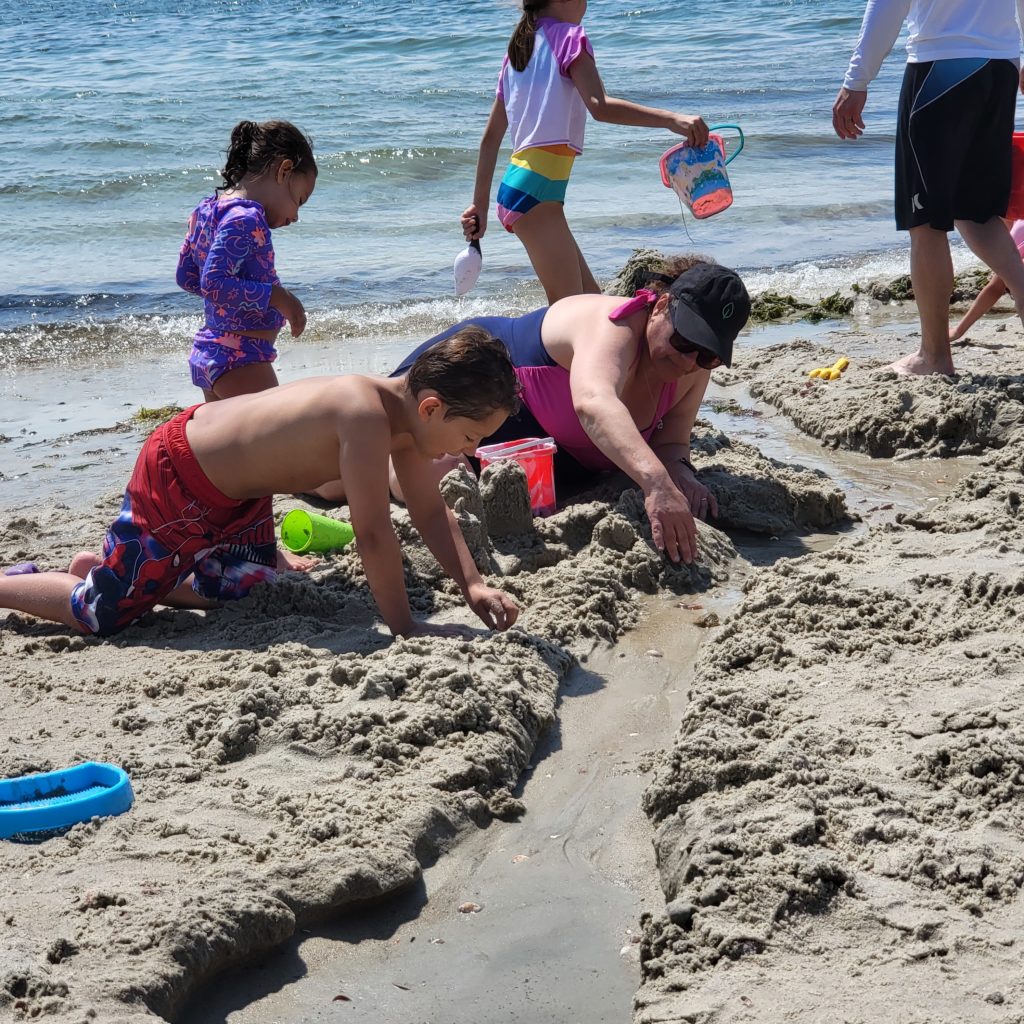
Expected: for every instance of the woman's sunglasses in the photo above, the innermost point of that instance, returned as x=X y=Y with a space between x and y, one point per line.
x=705 y=360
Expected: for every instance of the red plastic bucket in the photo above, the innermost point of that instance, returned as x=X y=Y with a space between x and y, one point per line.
x=536 y=455
x=1015 y=210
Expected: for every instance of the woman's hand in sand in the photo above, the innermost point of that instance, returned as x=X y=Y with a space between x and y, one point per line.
x=672 y=525
x=493 y=607
x=289 y=307
x=474 y=222
x=848 y=113
x=702 y=502
x=692 y=127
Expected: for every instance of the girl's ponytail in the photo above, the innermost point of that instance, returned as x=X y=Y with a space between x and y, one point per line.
x=242 y=137
x=520 y=46
x=254 y=147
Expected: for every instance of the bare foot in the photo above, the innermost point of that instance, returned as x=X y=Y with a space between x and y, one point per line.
x=918 y=365
x=83 y=562
x=288 y=561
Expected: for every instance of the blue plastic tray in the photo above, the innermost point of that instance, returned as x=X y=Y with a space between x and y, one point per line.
x=56 y=800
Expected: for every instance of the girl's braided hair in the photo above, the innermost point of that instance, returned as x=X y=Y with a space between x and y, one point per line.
x=520 y=46
x=254 y=147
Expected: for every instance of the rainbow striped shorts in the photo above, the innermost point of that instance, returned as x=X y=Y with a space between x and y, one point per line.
x=535 y=175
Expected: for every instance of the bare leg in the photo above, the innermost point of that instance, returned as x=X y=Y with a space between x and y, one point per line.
x=590 y=285
x=553 y=251
x=441 y=468
x=47 y=595
x=991 y=243
x=183 y=596
x=83 y=562
x=931 y=272
x=334 y=490
x=244 y=380
x=993 y=291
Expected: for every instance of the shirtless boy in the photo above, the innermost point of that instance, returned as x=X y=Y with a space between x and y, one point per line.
x=196 y=526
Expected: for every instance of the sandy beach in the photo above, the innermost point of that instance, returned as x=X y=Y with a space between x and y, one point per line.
x=831 y=790
x=839 y=817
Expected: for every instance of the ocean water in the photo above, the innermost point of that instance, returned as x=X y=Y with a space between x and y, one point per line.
x=114 y=117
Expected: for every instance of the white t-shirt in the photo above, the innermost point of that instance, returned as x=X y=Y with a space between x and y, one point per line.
x=938 y=30
x=544 y=108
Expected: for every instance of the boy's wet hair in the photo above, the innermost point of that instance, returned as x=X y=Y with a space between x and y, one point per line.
x=471 y=373
x=520 y=46
x=254 y=147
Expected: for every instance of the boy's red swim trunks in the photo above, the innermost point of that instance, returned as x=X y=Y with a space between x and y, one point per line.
x=174 y=522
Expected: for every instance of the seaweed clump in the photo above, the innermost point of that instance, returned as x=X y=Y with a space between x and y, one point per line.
x=768 y=307
x=154 y=417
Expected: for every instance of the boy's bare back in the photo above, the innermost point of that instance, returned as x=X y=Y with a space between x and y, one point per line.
x=289 y=439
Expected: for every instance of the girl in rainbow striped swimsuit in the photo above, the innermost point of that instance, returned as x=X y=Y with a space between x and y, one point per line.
x=548 y=82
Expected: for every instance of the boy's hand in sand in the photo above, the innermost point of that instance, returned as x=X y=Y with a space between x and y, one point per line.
x=449 y=630
x=289 y=307
x=672 y=525
x=847 y=113
x=492 y=606
x=693 y=128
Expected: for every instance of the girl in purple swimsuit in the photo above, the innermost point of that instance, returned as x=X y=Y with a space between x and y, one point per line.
x=618 y=384
x=228 y=258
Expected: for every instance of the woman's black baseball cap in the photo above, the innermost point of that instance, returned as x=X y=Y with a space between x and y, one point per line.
x=710 y=306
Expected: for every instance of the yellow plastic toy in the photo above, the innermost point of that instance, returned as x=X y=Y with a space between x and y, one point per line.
x=833 y=372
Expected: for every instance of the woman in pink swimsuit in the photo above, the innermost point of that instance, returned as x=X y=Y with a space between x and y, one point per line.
x=618 y=384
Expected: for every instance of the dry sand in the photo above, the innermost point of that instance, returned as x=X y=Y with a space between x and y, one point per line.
x=288 y=761
x=838 y=822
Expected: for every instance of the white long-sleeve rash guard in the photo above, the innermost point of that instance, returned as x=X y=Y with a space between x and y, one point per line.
x=938 y=30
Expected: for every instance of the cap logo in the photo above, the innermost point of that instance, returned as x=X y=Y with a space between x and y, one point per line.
x=727 y=310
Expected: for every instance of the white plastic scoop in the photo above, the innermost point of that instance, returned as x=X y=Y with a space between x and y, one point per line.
x=467 y=267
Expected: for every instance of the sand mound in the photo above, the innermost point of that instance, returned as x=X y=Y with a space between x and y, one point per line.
x=841 y=814
x=876 y=411
x=763 y=495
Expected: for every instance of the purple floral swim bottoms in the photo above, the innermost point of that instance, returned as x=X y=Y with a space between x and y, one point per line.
x=216 y=352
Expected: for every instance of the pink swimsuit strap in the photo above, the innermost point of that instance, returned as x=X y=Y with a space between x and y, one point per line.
x=643 y=298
